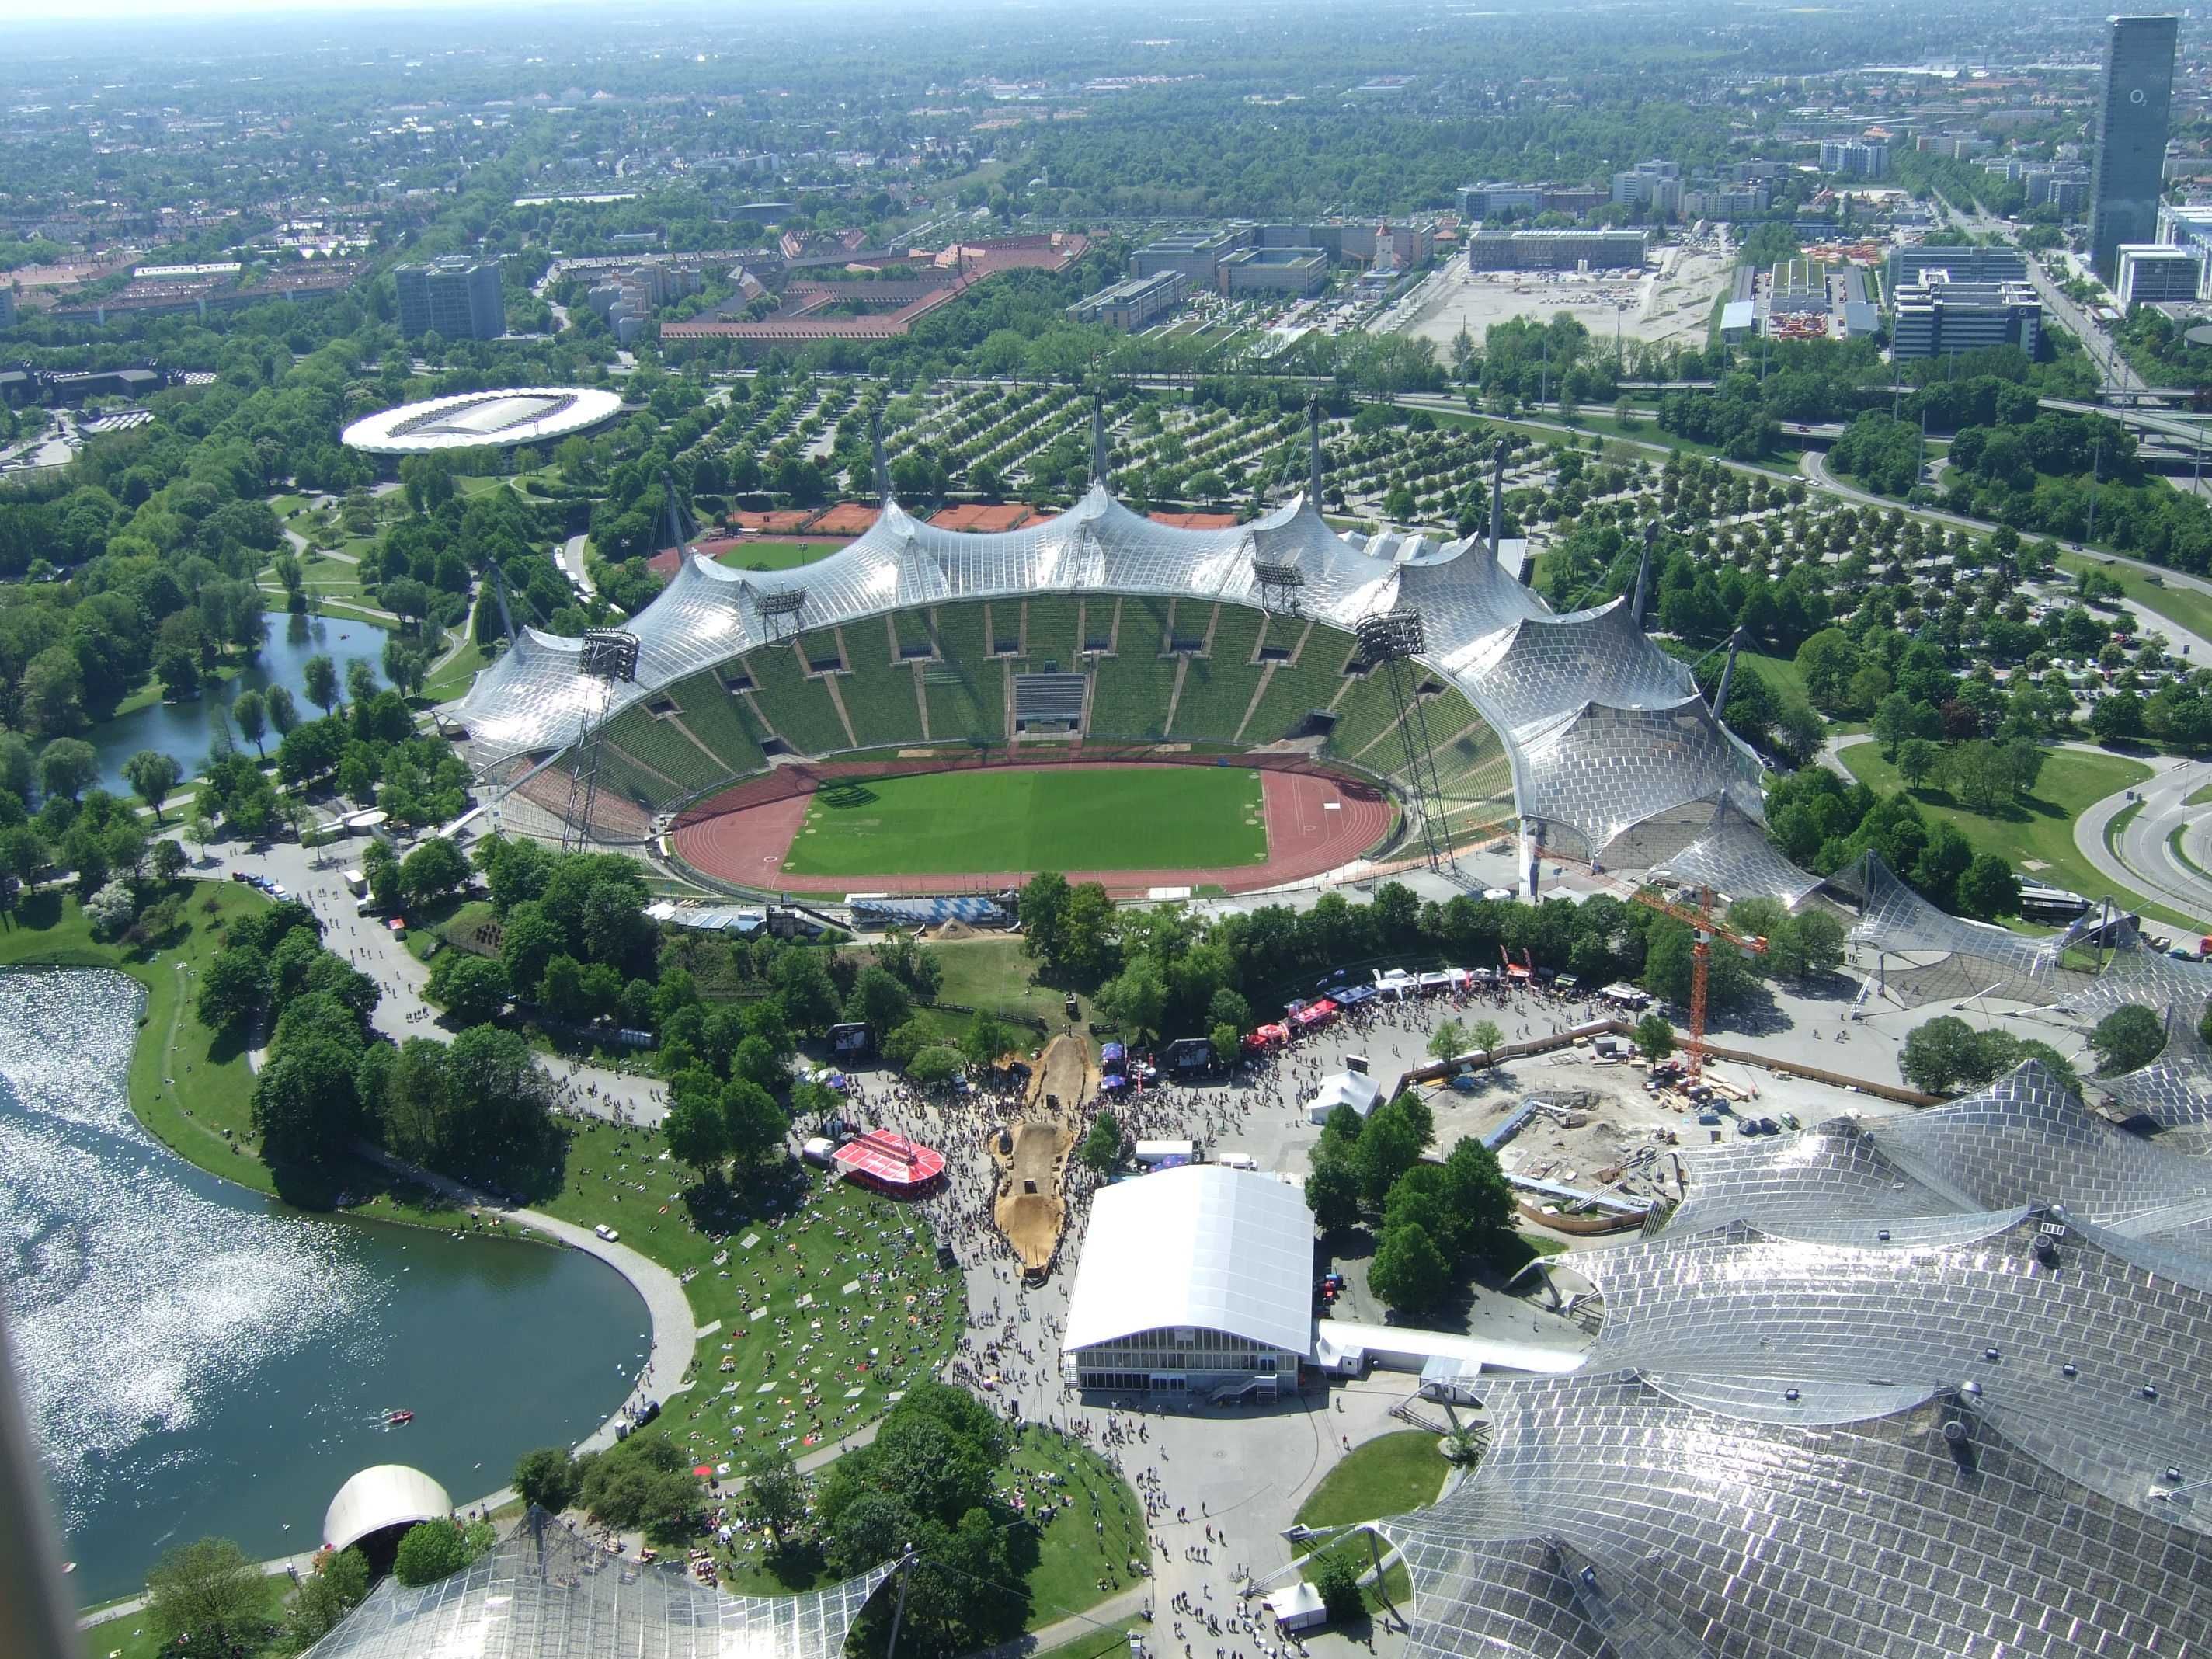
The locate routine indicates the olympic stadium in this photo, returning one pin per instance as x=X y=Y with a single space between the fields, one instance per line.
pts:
x=505 y=419
x=1394 y=695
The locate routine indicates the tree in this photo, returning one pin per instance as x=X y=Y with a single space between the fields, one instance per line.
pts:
x=934 y=1064
x=1988 y=888
x=304 y=1106
x=338 y=1584
x=471 y=988
x=1409 y=1273
x=988 y=1039
x=284 y=713
x=2118 y=718
x=1226 y=1043
x=360 y=680
x=1654 y=1038
x=698 y=1133
x=776 y=1494
x=2127 y=1039
x=429 y=1551
x=207 y=1598
x=1337 y=1580
x=249 y=711
x=1449 y=1040
x=1390 y=1142
x=1136 y=997
x=1485 y=1038
x=1102 y=1147
x=880 y=1000
x=1939 y=1055
x=151 y=775
x=547 y=1478
x=112 y=909
x=1475 y=1190
x=318 y=676
x=1332 y=1193
x=67 y=766
x=1917 y=760
x=756 y=1123
x=432 y=869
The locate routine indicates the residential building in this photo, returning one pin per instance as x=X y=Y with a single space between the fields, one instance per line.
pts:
x=1300 y=271
x=1556 y=250
x=1854 y=160
x=1135 y=303
x=1654 y=186
x=1935 y=316
x=2153 y=273
x=1719 y=201
x=456 y=298
x=2131 y=124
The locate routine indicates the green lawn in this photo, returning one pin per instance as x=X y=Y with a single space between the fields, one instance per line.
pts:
x=1390 y=1474
x=975 y=822
x=801 y=1375
x=2040 y=829
x=2198 y=797
x=992 y=973
x=453 y=678
x=131 y=1636
x=776 y=555
x=2182 y=606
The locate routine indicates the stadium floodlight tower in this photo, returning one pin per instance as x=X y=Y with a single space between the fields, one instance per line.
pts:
x=609 y=660
x=1389 y=640
x=778 y=611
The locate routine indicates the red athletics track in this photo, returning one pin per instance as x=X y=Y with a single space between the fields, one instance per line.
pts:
x=1316 y=822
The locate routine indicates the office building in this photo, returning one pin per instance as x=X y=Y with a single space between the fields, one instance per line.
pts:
x=1935 y=316
x=1135 y=303
x=456 y=298
x=1853 y=160
x=1556 y=250
x=1798 y=288
x=1329 y=238
x=1300 y=271
x=2154 y=273
x=2189 y=227
x=1194 y=254
x=2066 y=189
x=1965 y=265
x=1487 y=201
x=1410 y=245
x=2131 y=120
x=1715 y=201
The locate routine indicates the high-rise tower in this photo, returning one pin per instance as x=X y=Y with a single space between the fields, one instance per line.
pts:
x=2131 y=138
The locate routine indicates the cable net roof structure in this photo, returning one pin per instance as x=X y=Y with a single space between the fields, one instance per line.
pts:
x=1602 y=729
x=1976 y=1438
x=1735 y=857
x=1924 y=955
x=547 y=1592
x=2024 y=1139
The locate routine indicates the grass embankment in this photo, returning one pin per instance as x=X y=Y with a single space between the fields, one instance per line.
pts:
x=1388 y=1475
x=2034 y=835
x=132 y=1636
x=2185 y=607
x=979 y=822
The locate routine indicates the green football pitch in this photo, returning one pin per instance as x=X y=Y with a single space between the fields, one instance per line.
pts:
x=1020 y=818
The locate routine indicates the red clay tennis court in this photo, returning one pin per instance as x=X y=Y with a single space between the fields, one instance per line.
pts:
x=889 y=1164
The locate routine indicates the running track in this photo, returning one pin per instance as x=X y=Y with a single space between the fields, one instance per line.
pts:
x=1315 y=823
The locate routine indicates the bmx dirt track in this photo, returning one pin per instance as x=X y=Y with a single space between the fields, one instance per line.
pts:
x=1316 y=821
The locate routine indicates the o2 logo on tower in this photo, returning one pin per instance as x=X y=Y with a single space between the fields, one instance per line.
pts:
x=2135 y=96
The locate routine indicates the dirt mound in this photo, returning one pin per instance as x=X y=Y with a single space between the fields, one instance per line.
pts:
x=951 y=930
x=1063 y=1072
x=1032 y=1205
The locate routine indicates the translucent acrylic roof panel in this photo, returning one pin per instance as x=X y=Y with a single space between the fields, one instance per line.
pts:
x=2175 y=1089
x=1924 y=955
x=1677 y=1528
x=1200 y=1245
x=547 y=1592
x=1834 y=1173
x=1599 y=771
x=1733 y=857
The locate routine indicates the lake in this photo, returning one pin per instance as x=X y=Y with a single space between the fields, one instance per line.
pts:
x=197 y=1359
x=187 y=730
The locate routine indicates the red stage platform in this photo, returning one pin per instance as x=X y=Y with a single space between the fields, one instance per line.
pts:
x=890 y=1162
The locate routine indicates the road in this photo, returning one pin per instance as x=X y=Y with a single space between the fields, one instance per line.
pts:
x=571 y=561
x=2146 y=861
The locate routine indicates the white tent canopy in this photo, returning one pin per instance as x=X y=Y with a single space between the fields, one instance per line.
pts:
x=384 y=1495
x=1354 y=1089
x=1201 y=1246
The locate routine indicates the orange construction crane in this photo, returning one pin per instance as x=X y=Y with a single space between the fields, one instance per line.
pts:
x=1703 y=931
